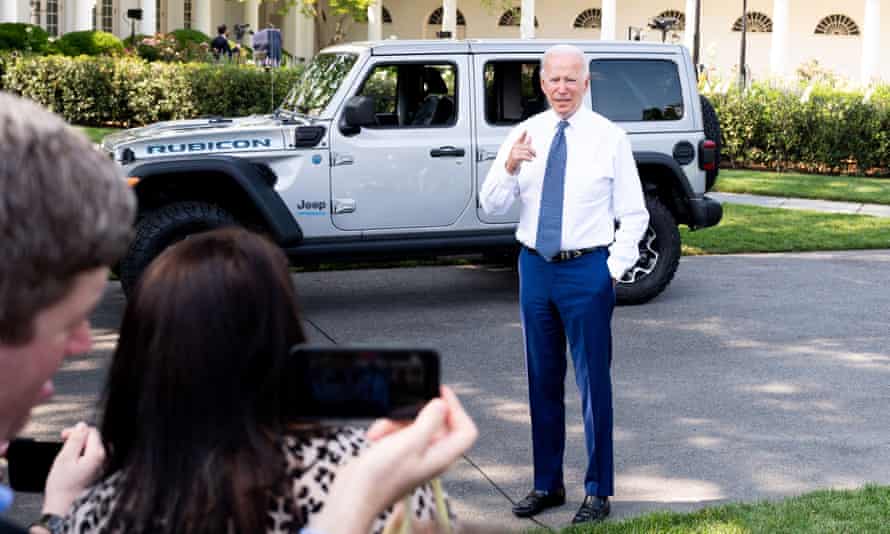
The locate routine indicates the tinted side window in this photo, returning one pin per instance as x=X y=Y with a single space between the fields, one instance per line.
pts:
x=636 y=90
x=413 y=95
x=512 y=91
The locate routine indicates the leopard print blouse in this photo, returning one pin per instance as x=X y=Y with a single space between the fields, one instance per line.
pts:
x=311 y=465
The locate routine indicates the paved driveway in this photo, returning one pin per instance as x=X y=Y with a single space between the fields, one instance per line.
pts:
x=752 y=377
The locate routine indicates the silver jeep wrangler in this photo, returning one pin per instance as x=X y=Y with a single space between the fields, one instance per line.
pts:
x=380 y=150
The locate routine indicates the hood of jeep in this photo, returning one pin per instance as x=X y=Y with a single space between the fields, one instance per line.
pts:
x=189 y=137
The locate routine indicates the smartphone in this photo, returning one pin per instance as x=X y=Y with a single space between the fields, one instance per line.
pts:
x=359 y=382
x=28 y=463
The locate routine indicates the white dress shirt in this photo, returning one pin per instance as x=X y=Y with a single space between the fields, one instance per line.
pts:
x=601 y=186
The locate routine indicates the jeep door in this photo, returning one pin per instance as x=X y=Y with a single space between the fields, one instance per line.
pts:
x=508 y=91
x=411 y=168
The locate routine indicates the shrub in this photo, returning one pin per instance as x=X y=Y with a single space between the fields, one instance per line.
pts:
x=814 y=127
x=23 y=37
x=128 y=91
x=190 y=36
x=89 y=43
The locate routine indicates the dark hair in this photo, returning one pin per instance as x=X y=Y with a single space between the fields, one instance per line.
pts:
x=191 y=408
x=221 y=29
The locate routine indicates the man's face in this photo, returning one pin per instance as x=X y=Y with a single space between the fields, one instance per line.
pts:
x=60 y=330
x=564 y=82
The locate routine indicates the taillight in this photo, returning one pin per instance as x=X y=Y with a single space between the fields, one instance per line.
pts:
x=707 y=160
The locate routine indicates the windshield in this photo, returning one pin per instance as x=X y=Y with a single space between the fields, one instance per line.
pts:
x=320 y=80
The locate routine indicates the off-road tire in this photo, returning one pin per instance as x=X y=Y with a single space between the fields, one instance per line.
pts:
x=659 y=258
x=712 y=131
x=164 y=226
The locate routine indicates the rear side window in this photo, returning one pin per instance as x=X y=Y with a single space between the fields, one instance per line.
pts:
x=636 y=90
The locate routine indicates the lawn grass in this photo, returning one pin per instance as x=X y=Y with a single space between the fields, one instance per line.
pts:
x=756 y=229
x=844 y=188
x=863 y=510
x=96 y=134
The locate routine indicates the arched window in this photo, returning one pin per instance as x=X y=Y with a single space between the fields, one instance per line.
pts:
x=837 y=25
x=387 y=18
x=674 y=14
x=187 y=14
x=106 y=20
x=757 y=22
x=435 y=18
x=589 y=18
x=511 y=17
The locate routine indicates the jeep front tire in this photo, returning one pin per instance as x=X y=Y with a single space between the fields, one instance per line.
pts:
x=164 y=226
x=659 y=258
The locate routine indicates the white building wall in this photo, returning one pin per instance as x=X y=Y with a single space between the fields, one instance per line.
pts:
x=719 y=44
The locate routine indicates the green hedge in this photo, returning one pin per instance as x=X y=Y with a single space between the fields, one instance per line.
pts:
x=811 y=128
x=89 y=43
x=96 y=91
x=24 y=37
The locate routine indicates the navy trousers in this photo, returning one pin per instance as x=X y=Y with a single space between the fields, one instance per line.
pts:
x=573 y=299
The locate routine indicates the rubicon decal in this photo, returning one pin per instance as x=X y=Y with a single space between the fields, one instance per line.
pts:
x=209 y=146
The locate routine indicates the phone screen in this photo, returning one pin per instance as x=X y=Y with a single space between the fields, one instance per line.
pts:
x=356 y=382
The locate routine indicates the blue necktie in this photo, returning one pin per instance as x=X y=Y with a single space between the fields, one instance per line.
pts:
x=550 y=217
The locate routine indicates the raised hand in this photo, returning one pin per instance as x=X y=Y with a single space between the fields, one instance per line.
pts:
x=521 y=150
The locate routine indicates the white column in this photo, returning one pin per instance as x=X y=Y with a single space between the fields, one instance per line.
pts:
x=298 y=35
x=527 y=20
x=9 y=11
x=689 y=32
x=83 y=16
x=871 y=41
x=778 y=54
x=201 y=17
x=148 y=25
x=375 y=20
x=449 y=17
x=609 y=20
x=252 y=14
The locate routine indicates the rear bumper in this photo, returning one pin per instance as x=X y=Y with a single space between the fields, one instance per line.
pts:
x=704 y=212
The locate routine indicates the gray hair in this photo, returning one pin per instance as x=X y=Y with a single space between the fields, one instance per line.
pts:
x=64 y=209
x=565 y=50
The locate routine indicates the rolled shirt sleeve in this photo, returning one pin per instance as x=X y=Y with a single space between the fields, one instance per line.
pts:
x=629 y=209
x=500 y=188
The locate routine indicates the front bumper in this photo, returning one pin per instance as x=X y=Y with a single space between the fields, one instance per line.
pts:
x=704 y=212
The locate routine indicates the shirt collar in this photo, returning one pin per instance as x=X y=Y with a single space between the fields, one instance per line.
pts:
x=572 y=120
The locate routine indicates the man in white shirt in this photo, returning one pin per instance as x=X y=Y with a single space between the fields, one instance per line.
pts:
x=575 y=177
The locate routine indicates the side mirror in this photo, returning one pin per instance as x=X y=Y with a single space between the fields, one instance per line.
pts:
x=358 y=112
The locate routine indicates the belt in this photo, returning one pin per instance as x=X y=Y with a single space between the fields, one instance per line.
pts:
x=565 y=255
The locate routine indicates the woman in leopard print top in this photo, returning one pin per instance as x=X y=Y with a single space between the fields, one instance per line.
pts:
x=192 y=416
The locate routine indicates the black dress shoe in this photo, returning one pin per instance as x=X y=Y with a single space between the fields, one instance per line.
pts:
x=592 y=509
x=538 y=501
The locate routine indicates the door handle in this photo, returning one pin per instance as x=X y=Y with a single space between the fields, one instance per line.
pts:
x=485 y=155
x=447 y=152
x=344 y=205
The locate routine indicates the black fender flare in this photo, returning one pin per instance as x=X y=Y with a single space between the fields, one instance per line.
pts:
x=256 y=181
x=699 y=211
x=657 y=158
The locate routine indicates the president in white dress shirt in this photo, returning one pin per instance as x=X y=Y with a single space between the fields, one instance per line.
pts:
x=573 y=172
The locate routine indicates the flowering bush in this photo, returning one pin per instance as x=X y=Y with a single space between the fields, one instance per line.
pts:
x=167 y=47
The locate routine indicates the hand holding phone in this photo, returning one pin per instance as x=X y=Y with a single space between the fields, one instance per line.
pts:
x=402 y=458
x=75 y=468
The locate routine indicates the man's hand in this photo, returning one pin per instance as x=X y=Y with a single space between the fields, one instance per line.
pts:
x=522 y=150
x=78 y=465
